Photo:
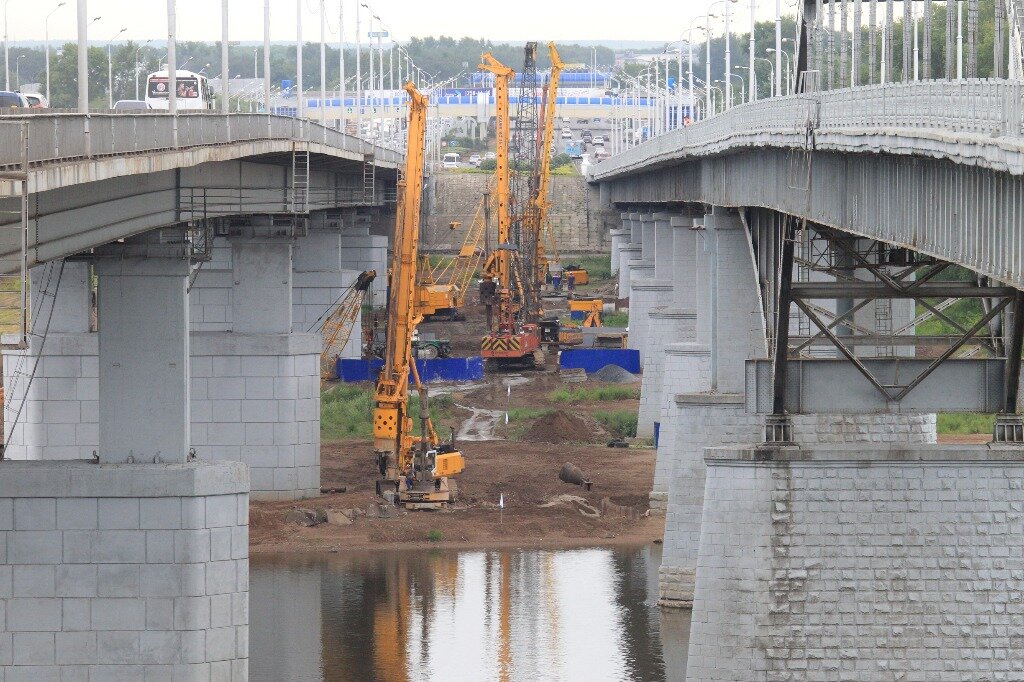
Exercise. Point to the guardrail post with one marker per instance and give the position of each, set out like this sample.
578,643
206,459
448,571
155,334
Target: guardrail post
88,137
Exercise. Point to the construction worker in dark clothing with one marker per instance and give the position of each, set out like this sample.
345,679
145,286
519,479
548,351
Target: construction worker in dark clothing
488,296
570,281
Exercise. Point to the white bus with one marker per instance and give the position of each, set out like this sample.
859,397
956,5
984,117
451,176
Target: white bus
450,160
194,91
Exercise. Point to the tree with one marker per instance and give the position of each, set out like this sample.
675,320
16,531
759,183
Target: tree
64,77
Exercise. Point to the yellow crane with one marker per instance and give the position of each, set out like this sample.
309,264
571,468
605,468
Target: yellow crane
340,321
415,467
542,201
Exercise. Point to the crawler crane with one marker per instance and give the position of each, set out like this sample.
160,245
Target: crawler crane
510,341
416,467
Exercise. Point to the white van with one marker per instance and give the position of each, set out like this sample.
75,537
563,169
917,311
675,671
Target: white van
450,160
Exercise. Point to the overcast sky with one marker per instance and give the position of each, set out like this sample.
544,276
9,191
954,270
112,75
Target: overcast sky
565,20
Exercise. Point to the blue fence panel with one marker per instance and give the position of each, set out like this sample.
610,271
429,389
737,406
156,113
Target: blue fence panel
592,359
439,369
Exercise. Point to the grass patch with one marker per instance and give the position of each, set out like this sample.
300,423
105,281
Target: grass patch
567,169
621,423
522,414
620,318
346,412
593,395
435,536
964,423
598,266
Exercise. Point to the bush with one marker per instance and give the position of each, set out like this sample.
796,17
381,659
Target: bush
346,412
621,423
435,536
488,164
560,160
619,318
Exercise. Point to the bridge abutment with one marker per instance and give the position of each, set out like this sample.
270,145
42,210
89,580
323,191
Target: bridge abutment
860,562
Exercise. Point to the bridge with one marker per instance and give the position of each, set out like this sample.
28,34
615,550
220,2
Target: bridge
161,277
793,269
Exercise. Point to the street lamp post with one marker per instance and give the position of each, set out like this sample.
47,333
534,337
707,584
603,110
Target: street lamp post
752,51
743,83
110,68
137,68
299,110
359,78
7,52
789,79
778,47
341,63
225,91
771,67
266,58
46,31
323,66
256,63
707,38
370,84
17,71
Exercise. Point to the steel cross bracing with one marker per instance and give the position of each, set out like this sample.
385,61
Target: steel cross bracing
862,272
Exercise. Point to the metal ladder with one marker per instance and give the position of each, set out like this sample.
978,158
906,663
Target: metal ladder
300,180
369,180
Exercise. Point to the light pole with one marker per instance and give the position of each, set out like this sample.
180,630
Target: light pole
341,64
707,45
323,65
772,50
110,68
771,67
751,52
17,71
728,55
743,83
707,38
225,90
46,31
266,58
137,67
7,52
370,84
299,112
256,63
778,48
593,64
359,78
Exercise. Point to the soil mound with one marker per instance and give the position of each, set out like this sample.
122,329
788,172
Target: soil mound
560,427
613,374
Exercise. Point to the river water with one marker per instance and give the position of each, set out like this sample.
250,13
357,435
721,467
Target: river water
404,616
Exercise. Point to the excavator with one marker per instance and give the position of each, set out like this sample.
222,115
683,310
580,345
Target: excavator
510,341
415,469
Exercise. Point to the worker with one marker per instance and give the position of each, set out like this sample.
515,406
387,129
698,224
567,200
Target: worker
570,281
488,297
556,280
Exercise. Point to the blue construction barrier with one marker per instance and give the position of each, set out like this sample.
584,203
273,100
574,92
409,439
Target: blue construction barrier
592,359
439,369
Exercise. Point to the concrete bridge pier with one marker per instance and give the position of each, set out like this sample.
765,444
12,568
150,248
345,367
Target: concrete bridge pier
135,565
619,238
630,250
646,291
51,388
256,386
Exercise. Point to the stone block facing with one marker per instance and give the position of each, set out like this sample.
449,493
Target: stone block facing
665,326
645,296
256,399
862,563
124,571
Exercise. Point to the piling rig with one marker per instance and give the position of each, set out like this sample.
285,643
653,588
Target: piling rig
414,468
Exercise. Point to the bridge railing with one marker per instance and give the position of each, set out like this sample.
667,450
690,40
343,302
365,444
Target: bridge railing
980,106
67,137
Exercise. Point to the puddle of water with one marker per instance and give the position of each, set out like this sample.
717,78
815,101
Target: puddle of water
505,615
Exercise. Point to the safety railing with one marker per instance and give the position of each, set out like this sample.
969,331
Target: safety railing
65,137
978,106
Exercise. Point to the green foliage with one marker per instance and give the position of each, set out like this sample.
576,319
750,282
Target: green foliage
965,312
519,414
620,318
565,170
559,160
488,164
594,395
346,412
964,423
621,423
435,536
598,266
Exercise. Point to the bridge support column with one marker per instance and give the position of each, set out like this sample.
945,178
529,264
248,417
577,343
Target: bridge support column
619,239
50,389
873,554
256,387
628,255
135,565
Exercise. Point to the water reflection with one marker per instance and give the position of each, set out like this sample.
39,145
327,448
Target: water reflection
509,615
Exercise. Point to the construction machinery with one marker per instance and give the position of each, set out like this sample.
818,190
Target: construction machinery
414,468
339,321
510,340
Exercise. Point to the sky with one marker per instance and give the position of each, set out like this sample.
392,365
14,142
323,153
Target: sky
511,20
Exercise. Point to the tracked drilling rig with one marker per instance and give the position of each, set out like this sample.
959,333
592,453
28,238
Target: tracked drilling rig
414,467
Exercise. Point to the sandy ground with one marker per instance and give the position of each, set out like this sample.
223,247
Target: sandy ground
525,473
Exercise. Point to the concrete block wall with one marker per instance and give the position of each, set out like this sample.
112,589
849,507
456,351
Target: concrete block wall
53,414
209,301
645,296
687,369
860,563
712,420
256,399
665,326
124,572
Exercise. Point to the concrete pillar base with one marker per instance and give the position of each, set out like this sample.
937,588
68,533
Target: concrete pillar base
256,399
665,326
675,587
859,562
125,571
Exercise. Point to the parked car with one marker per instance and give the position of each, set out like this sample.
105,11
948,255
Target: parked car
474,159
35,100
131,105
12,100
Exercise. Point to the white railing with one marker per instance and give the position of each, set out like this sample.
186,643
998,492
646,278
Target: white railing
978,106
54,138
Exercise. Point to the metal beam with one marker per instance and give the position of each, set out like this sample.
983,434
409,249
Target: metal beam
878,290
